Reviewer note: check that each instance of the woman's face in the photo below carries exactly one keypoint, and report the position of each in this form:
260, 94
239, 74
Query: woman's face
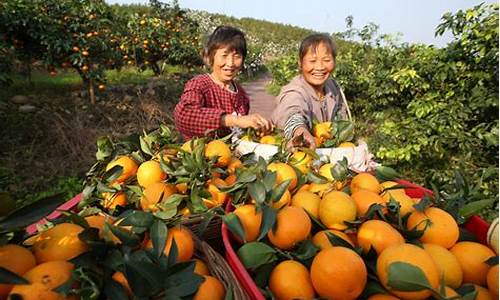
317, 66
226, 64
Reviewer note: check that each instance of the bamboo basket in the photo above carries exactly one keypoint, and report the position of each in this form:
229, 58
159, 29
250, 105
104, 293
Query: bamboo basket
219, 268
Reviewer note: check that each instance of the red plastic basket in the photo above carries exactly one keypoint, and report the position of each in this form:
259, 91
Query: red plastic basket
475, 225
68, 205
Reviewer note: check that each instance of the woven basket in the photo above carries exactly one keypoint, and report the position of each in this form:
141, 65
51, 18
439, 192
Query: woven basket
219, 268
210, 234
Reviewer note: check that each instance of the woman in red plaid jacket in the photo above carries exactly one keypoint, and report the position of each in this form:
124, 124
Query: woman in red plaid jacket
215, 102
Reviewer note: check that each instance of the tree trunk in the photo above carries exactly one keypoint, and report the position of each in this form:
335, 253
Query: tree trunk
91, 91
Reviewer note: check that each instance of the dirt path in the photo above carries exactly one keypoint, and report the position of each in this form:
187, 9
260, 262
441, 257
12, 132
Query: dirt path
260, 100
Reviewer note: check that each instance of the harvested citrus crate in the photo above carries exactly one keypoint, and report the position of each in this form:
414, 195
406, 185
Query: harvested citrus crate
475, 225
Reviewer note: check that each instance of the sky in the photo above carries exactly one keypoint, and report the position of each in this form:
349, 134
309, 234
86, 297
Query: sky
415, 20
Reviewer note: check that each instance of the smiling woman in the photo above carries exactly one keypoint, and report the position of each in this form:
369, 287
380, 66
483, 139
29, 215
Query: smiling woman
312, 95
215, 103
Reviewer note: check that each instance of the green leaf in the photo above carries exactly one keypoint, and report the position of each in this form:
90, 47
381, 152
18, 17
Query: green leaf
279, 190
269, 180
406, 277
306, 250
313, 177
336, 240
158, 235
492, 261
114, 290
8, 277
126, 237
246, 176
233, 223
386, 174
143, 277
256, 254
31, 213
475, 207
268, 221
104, 148
138, 218
257, 191
145, 146
182, 281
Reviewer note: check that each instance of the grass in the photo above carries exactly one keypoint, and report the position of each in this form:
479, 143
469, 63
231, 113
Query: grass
42, 84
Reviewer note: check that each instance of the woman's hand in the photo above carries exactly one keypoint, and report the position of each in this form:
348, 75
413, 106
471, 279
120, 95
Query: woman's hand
301, 138
255, 121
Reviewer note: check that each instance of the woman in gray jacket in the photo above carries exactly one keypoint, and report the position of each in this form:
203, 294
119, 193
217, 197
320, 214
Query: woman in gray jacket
312, 95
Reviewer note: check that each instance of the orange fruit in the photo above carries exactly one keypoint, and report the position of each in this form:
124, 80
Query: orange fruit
472, 257
322, 130
338, 273
217, 195
386, 193
365, 181
231, 179
382, 297
182, 188
413, 255
98, 221
250, 220
121, 279
150, 172
325, 171
290, 280
268, 139
378, 235
320, 239
322, 188
233, 165
301, 161
219, 149
43, 279
283, 201
152, 194
210, 289
187, 146
284, 172
448, 266
183, 240
442, 229
335, 208
364, 199
201, 268
16, 259
293, 225
304, 187
492, 280
112, 200
309, 201
129, 168
60, 242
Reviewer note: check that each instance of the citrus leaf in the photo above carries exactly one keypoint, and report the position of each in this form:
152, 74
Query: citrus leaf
246, 176
181, 280
335, 240
269, 180
386, 173
31, 213
158, 235
475, 207
256, 254
9, 277
305, 250
138, 218
406, 277
268, 221
492, 261
112, 174
126, 237
234, 224
104, 148
145, 146
257, 191
114, 290
313, 177
279, 190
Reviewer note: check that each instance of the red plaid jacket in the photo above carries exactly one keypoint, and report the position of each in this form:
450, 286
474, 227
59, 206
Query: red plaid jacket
202, 105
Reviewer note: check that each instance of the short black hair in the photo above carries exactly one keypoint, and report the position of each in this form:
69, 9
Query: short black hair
312, 41
225, 36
